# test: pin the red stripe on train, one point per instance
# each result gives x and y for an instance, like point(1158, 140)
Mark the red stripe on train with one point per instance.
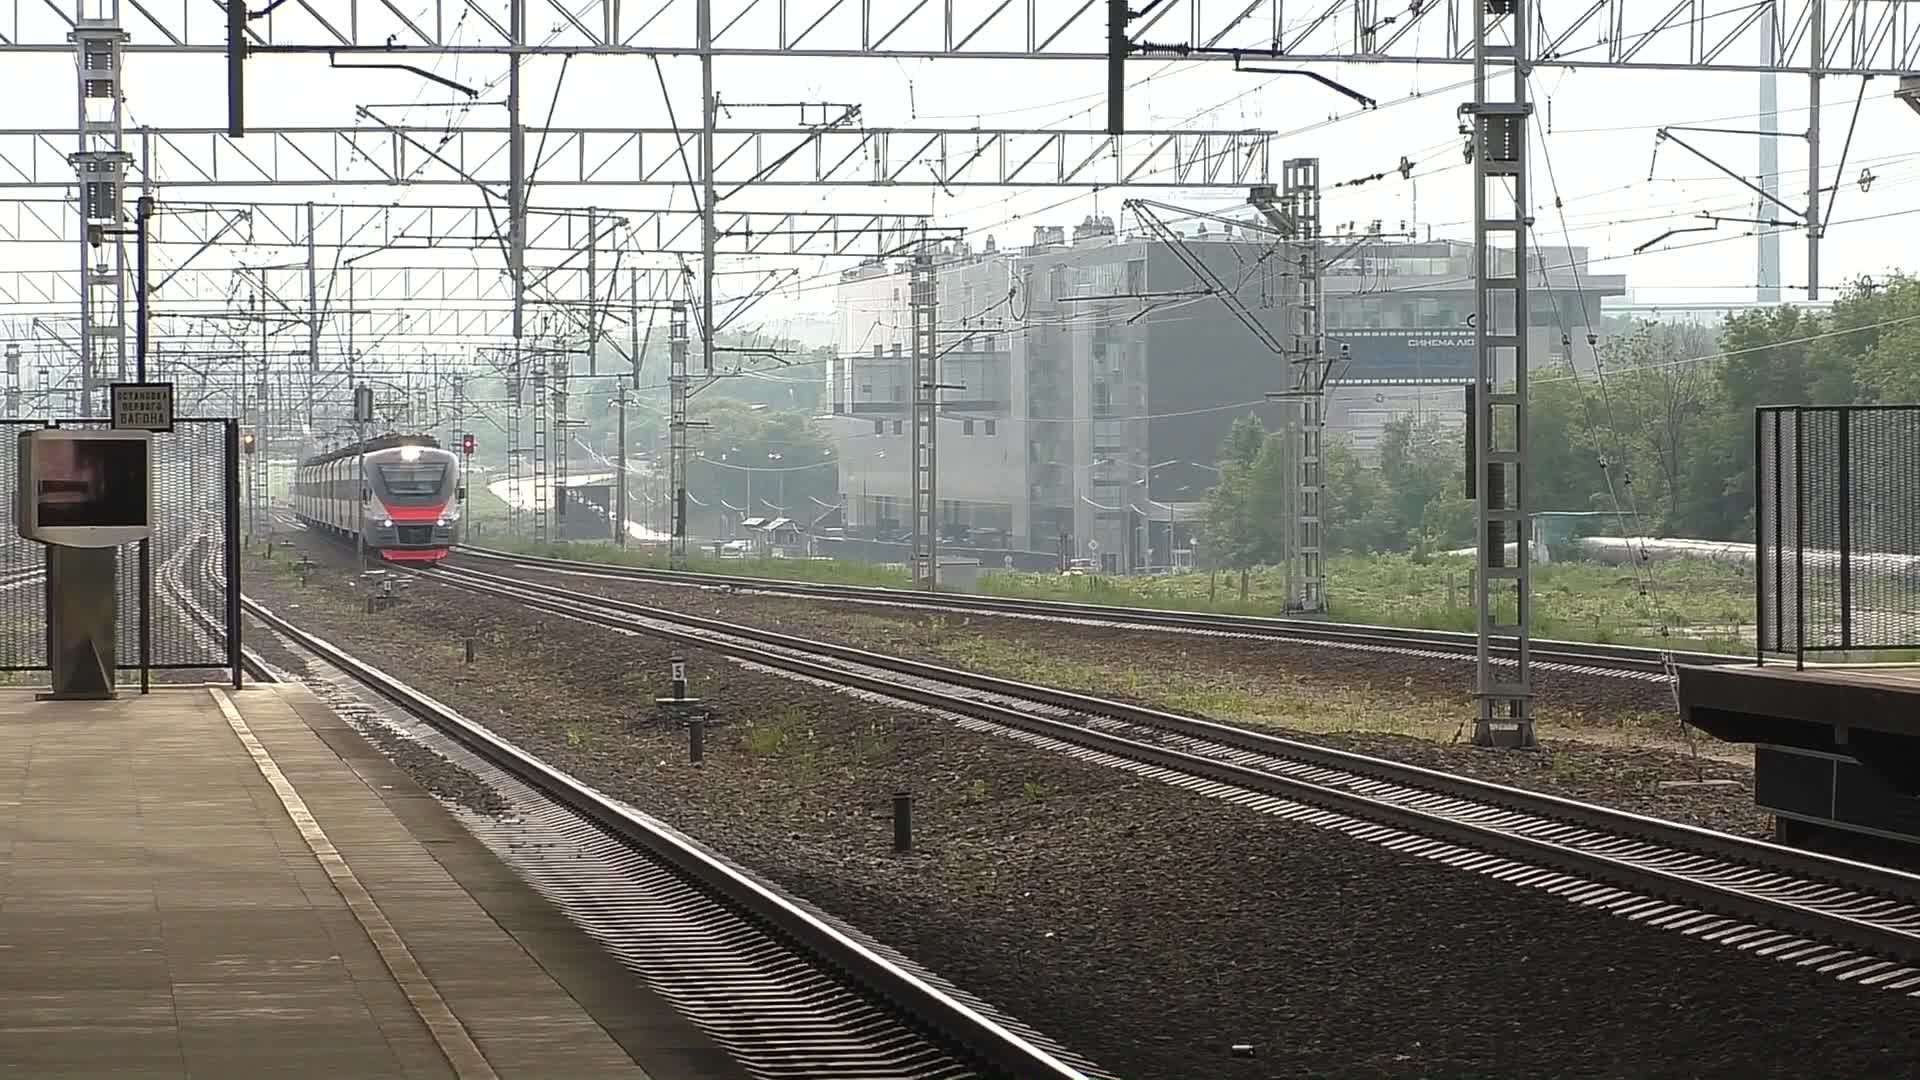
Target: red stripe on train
point(414, 515)
point(413, 554)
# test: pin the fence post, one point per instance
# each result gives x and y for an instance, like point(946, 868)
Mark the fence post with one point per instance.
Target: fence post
point(1800, 539)
point(232, 516)
point(1760, 559)
point(1779, 532)
point(146, 618)
point(1846, 529)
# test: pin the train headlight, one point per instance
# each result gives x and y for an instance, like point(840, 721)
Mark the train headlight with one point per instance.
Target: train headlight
point(386, 523)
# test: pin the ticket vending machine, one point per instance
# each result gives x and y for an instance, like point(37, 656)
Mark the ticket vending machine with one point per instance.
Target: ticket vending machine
point(83, 493)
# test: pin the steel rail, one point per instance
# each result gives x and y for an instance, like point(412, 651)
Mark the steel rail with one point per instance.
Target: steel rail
point(975, 1037)
point(1596, 656)
point(170, 580)
point(1853, 904)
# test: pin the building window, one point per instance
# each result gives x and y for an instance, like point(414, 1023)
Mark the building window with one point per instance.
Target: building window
point(896, 427)
point(866, 389)
point(879, 427)
point(899, 393)
point(990, 427)
point(966, 427)
point(1136, 277)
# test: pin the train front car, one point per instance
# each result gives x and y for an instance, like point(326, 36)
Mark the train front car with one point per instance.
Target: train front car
point(413, 513)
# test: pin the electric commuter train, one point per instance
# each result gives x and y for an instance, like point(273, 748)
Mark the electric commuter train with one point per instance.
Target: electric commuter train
point(400, 493)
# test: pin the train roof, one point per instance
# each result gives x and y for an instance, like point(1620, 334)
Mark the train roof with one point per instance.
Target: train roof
point(373, 445)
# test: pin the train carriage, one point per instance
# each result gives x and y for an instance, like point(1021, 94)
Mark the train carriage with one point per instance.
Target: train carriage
point(401, 494)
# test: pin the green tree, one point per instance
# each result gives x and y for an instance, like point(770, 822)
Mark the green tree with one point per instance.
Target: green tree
point(1421, 466)
point(1881, 324)
point(1230, 530)
point(1357, 519)
point(769, 461)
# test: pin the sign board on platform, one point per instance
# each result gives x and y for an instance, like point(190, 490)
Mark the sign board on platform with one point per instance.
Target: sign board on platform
point(142, 406)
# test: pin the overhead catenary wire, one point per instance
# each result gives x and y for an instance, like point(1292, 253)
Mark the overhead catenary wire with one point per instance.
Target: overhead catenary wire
point(1645, 577)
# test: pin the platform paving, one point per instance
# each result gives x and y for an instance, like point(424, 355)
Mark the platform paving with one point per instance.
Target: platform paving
point(164, 914)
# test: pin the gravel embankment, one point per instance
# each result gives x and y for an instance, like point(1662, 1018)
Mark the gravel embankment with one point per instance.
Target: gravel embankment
point(1177, 671)
point(1149, 928)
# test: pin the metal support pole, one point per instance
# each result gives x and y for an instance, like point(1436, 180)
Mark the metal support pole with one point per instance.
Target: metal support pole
point(313, 321)
point(709, 109)
point(100, 163)
point(593, 290)
point(231, 514)
point(517, 174)
point(1301, 193)
point(542, 434)
point(562, 444)
point(633, 326)
point(926, 531)
point(143, 213)
point(677, 431)
point(1499, 131)
point(620, 479)
point(1768, 277)
point(517, 262)
point(1816, 58)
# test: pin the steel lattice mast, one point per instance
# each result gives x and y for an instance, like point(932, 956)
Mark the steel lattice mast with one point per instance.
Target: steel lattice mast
point(1503, 596)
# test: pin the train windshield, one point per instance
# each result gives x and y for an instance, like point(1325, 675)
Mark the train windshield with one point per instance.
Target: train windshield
point(414, 479)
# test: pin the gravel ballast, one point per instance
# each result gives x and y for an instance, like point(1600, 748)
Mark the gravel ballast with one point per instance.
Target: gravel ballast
point(1149, 928)
point(1652, 780)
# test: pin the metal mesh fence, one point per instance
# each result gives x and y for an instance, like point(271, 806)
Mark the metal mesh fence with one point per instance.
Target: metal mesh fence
point(1837, 528)
point(23, 601)
point(190, 502)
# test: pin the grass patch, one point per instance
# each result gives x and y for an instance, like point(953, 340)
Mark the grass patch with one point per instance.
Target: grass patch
point(654, 557)
point(1705, 605)
point(780, 736)
point(1276, 701)
point(1694, 605)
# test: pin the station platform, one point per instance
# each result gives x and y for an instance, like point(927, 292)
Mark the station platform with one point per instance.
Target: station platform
point(1836, 748)
point(204, 882)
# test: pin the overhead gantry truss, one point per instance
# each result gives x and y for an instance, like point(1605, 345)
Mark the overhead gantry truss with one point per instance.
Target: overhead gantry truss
point(409, 227)
point(1861, 37)
point(376, 155)
point(467, 306)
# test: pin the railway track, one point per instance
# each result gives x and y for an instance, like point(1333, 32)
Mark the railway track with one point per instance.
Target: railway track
point(1853, 920)
point(1569, 656)
point(788, 989)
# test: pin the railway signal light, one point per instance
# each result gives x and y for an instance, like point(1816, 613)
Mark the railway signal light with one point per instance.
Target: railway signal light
point(466, 445)
point(246, 442)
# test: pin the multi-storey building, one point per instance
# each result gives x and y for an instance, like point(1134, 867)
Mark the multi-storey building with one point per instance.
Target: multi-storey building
point(1098, 377)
